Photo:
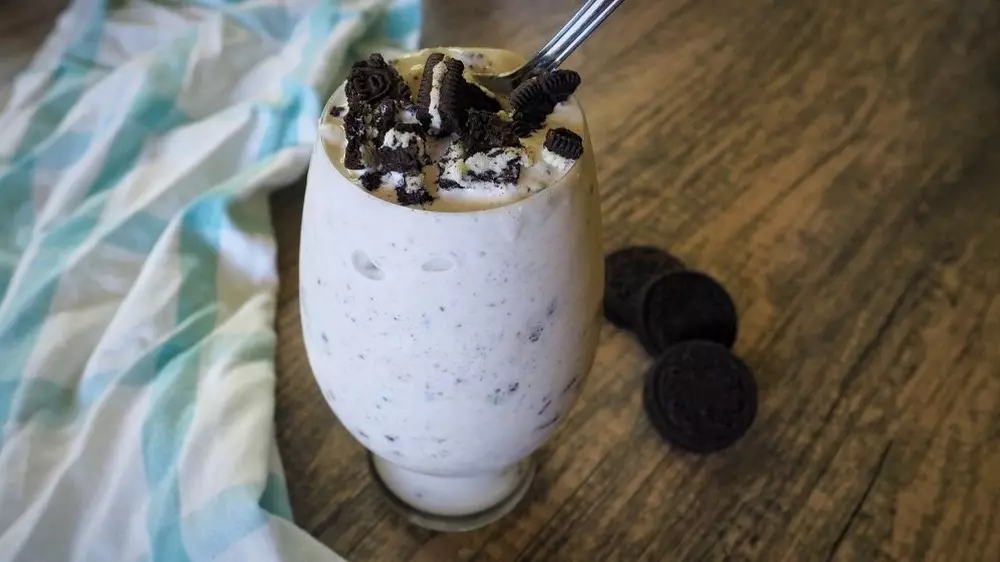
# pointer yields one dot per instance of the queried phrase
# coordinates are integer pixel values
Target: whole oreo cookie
(564, 142)
(626, 272)
(700, 397)
(373, 80)
(685, 305)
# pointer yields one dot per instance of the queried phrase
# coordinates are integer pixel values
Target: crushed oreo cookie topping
(484, 131)
(403, 149)
(410, 189)
(453, 134)
(371, 180)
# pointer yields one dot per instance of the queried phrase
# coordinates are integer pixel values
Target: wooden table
(836, 164)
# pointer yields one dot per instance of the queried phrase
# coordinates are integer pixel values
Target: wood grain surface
(835, 163)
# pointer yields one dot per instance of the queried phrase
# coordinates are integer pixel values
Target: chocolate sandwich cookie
(531, 106)
(528, 95)
(535, 99)
(559, 85)
(626, 272)
(685, 305)
(700, 397)
(440, 95)
(372, 80)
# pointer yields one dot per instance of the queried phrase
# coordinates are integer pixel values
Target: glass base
(452, 504)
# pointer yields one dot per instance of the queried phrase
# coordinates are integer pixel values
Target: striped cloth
(137, 272)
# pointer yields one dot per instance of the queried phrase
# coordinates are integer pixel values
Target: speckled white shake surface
(540, 167)
(451, 344)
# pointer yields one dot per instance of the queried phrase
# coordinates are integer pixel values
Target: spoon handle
(567, 39)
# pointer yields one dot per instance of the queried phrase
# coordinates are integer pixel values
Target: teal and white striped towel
(138, 275)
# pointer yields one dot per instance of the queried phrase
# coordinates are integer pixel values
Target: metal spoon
(549, 57)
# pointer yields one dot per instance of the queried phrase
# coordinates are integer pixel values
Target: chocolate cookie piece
(402, 148)
(531, 106)
(383, 118)
(440, 96)
(371, 180)
(626, 272)
(535, 99)
(426, 79)
(353, 156)
(559, 85)
(373, 80)
(528, 94)
(448, 184)
(685, 305)
(356, 122)
(484, 131)
(700, 397)
(475, 97)
(410, 190)
(564, 142)
(523, 128)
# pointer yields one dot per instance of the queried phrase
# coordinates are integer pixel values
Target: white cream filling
(393, 179)
(407, 117)
(395, 139)
(560, 163)
(434, 106)
(414, 183)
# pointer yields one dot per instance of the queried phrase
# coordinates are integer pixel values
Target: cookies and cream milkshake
(451, 274)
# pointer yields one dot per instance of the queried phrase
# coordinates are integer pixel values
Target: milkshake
(451, 274)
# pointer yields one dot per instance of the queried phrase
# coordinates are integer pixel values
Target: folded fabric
(138, 275)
